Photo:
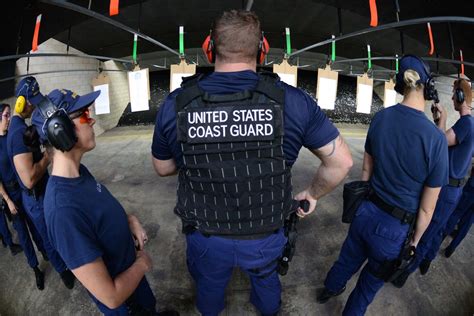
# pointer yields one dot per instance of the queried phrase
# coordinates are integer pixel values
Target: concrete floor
(122, 162)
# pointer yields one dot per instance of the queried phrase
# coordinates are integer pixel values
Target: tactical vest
(235, 179)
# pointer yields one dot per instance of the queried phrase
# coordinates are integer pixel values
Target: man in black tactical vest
(232, 137)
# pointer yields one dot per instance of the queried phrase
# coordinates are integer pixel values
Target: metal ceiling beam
(10, 57)
(442, 60)
(249, 5)
(440, 19)
(59, 71)
(103, 18)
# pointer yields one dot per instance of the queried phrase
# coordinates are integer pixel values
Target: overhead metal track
(439, 19)
(442, 60)
(10, 57)
(59, 71)
(103, 18)
(248, 7)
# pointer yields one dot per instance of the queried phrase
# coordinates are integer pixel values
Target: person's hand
(139, 234)
(439, 113)
(12, 207)
(144, 259)
(305, 195)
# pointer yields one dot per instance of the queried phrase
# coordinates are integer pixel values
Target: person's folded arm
(28, 171)
(112, 292)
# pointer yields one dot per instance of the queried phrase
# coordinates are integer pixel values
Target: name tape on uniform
(230, 124)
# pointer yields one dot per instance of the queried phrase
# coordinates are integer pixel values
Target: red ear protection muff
(263, 48)
(209, 49)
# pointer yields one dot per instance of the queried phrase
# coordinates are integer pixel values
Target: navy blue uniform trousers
(34, 209)
(212, 259)
(462, 216)
(21, 222)
(374, 236)
(432, 238)
(4, 231)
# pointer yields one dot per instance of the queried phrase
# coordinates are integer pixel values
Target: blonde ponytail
(411, 77)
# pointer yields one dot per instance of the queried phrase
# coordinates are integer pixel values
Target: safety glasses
(84, 116)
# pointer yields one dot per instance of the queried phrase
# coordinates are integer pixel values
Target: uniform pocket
(274, 248)
(197, 247)
(390, 233)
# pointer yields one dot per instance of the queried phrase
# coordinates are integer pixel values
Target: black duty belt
(456, 182)
(404, 216)
(243, 237)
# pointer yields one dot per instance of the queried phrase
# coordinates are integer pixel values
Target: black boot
(68, 278)
(448, 252)
(15, 249)
(44, 255)
(39, 276)
(400, 281)
(325, 295)
(424, 266)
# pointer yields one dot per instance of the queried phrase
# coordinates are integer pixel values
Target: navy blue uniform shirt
(7, 174)
(460, 154)
(86, 222)
(16, 146)
(304, 122)
(409, 152)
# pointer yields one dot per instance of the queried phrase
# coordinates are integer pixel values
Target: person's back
(232, 136)
(405, 161)
(405, 146)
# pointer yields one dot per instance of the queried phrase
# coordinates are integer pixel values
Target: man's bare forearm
(326, 179)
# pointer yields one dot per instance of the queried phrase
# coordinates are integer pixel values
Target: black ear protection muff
(429, 90)
(209, 49)
(459, 94)
(58, 127)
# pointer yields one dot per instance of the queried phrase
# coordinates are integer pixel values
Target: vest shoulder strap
(267, 86)
(191, 91)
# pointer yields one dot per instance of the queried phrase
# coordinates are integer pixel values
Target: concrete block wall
(77, 81)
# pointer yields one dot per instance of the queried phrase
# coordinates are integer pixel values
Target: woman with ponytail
(406, 164)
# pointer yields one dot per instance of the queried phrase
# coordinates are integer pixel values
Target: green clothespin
(288, 41)
(396, 63)
(181, 40)
(333, 53)
(134, 55)
(369, 58)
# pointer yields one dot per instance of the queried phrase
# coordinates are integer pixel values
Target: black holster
(353, 194)
(5, 209)
(391, 270)
(291, 234)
